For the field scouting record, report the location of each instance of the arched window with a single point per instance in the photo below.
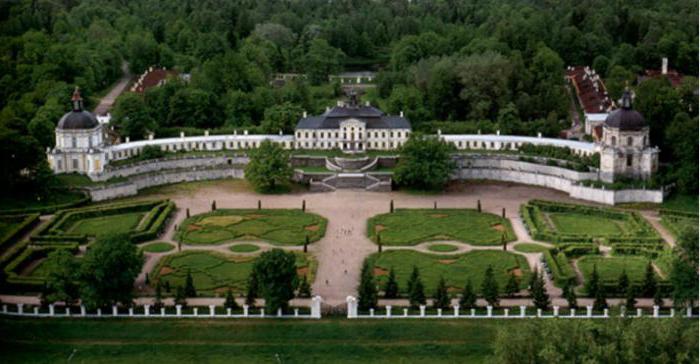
(630, 141)
(613, 141)
(629, 161)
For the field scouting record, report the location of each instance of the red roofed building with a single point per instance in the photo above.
(672, 75)
(151, 78)
(591, 94)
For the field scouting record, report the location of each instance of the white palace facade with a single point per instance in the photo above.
(81, 145)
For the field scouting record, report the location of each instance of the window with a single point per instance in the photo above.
(74, 142)
(630, 141)
(613, 141)
(60, 165)
(629, 161)
(75, 164)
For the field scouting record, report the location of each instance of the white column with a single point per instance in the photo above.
(405, 312)
(639, 312)
(212, 310)
(539, 312)
(505, 312)
(196, 311)
(556, 311)
(99, 312)
(279, 312)
(20, 308)
(689, 311)
(456, 310)
(36, 311)
(162, 311)
(262, 312)
(605, 312)
(622, 311)
(245, 310)
(673, 312)
(67, 311)
(422, 310)
(114, 310)
(296, 312)
(371, 312)
(51, 309)
(572, 312)
(473, 312)
(439, 312)
(352, 306)
(522, 311)
(316, 306)
(178, 310)
(131, 311)
(4, 308)
(388, 311)
(656, 311)
(489, 311)
(147, 310)
(82, 310)
(589, 311)
(228, 312)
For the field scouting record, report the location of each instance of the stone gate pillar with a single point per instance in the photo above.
(316, 307)
(352, 306)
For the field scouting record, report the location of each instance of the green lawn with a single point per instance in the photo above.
(157, 247)
(213, 273)
(248, 341)
(454, 268)
(610, 268)
(277, 226)
(244, 248)
(106, 225)
(530, 248)
(573, 223)
(413, 226)
(442, 248)
(680, 202)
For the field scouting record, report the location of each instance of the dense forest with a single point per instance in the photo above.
(461, 65)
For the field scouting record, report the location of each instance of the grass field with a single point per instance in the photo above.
(213, 273)
(530, 248)
(456, 269)
(442, 248)
(248, 341)
(244, 248)
(573, 223)
(277, 226)
(106, 225)
(610, 268)
(157, 247)
(413, 226)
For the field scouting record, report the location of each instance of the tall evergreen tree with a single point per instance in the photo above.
(180, 298)
(252, 290)
(512, 286)
(569, 293)
(391, 289)
(416, 294)
(412, 279)
(600, 301)
(489, 287)
(630, 297)
(304, 288)
(540, 298)
(658, 297)
(623, 282)
(649, 282)
(593, 282)
(158, 300)
(441, 298)
(468, 299)
(367, 291)
(230, 301)
(190, 291)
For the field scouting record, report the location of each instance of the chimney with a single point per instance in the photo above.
(304, 115)
(664, 65)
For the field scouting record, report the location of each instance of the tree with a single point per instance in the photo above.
(252, 290)
(304, 288)
(276, 275)
(367, 291)
(441, 298)
(130, 115)
(416, 293)
(658, 297)
(268, 167)
(623, 282)
(569, 293)
(512, 286)
(180, 298)
(61, 284)
(489, 287)
(108, 271)
(281, 117)
(593, 283)
(230, 301)
(684, 268)
(391, 289)
(190, 291)
(631, 297)
(649, 281)
(538, 291)
(322, 60)
(468, 299)
(425, 163)
(600, 302)
(158, 300)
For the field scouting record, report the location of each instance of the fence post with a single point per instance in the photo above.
(405, 312)
(67, 311)
(456, 310)
(36, 311)
(279, 312)
(489, 311)
(178, 310)
(262, 312)
(114, 311)
(51, 309)
(605, 312)
(147, 310)
(673, 312)
(572, 312)
(195, 311)
(371, 312)
(656, 311)
(162, 311)
(20, 308)
(131, 311)
(539, 312)
(245, 310)
(99, 312)
(388, 311)
(623, 311)
(316, 307)
(639, 312)
(422, 310)
(352, 306)
(589, 311)
(296, 312)
(556, 311)
(522, 311)
(439, 312)
(228, 312)
(82, 310)
(689, 311)
(212, 310)
(473, 312)
(505, 312)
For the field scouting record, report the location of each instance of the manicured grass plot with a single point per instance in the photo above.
(442, 248)
(106, 225)
(157, 247)
(573, 223)
(244, 248)
(413, 226)
(530, 248)
(277, 226)
(456, 269)
(213, 273)
(610, 268)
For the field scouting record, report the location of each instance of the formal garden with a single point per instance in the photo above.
(676, 221)
(275, 226)
(415, 226)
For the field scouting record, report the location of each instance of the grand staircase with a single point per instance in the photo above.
(351, 173)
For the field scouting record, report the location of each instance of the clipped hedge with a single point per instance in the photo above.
(561, 269)
(22, 224)
(28, 255)
(153, 223)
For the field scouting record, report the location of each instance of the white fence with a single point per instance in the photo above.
(502, 313)
(147, 311)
